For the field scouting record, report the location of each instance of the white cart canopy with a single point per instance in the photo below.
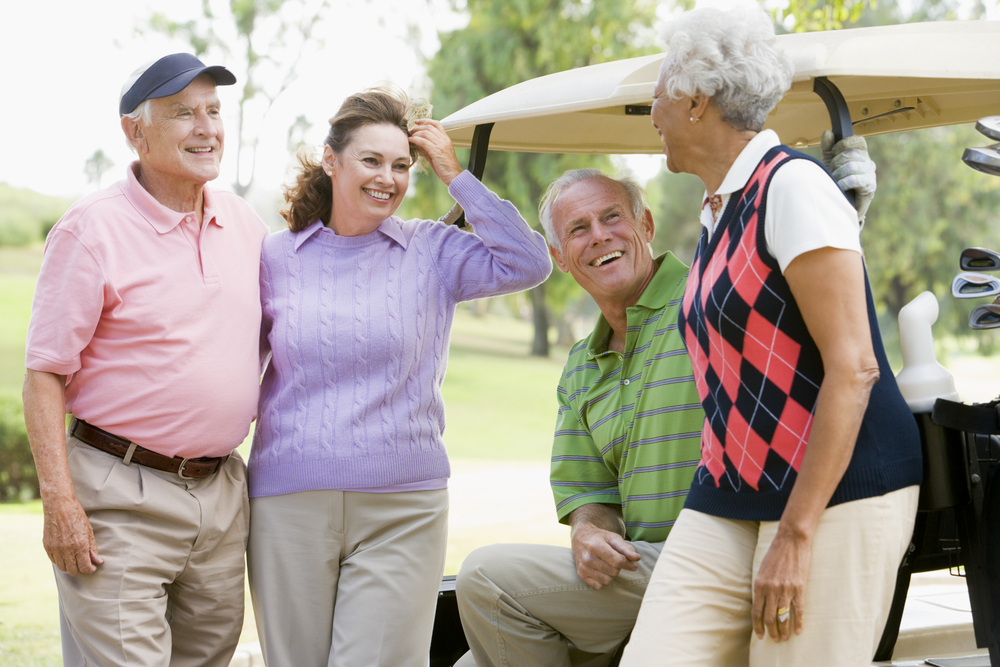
(893, 78)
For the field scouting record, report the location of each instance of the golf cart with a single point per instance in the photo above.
(865, 81)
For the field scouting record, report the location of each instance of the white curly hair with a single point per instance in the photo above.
(731, 56)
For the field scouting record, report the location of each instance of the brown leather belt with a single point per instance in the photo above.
(133, 453)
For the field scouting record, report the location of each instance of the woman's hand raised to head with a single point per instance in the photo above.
(434, 144)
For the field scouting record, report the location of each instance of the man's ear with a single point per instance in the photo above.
(647, 225)
(558, 258)
(134, 134)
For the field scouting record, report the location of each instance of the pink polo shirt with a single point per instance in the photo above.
(155, 322)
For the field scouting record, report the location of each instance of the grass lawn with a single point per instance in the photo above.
(29, 621)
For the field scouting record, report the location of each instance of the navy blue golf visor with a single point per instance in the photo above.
(170, 75)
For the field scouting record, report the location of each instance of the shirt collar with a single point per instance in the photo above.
(658, 293)
(391, 227)
(747, 162)
(307, 234)
(161, 218)
(663, 286)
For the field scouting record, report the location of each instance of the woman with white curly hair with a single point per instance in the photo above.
(804, 499)
(348, 471)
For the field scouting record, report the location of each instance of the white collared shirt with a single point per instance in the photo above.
(805, 209)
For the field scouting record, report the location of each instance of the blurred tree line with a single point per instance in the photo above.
(929, 205)
(27, 216)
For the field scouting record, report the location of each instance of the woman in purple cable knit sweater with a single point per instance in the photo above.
(348, 471)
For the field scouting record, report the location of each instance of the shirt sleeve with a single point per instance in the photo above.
(504, 255)
(69, 298)
(578, 475)
(807, 211)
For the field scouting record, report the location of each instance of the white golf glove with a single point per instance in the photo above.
(851, 167)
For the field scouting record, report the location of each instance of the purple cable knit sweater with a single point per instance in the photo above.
(358, 331)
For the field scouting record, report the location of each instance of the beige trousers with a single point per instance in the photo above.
(697, 607)
(345, 578)
(170, 590)
(524, 605)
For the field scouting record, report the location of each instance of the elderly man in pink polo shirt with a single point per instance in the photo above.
(145, 326)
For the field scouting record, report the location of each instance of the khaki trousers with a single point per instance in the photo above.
(347, 579)
(524, 605)
(697, 607)
(170, 590)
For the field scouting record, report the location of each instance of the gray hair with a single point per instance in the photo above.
(142, 114)
(732, 57)
(636, 198)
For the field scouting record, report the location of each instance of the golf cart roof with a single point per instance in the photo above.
(893, 78)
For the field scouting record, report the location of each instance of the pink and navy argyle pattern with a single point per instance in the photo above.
(756, 368)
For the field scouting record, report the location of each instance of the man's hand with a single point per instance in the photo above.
(851, 167)
(599, 553)
(68, 537)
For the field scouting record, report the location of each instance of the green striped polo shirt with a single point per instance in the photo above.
(629, 425)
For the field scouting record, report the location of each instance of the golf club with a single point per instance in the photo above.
(985, 317)
(990, 126)
(986, 160)
(973, 285)
(979, 259)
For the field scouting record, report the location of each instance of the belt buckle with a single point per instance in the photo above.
(180, 470)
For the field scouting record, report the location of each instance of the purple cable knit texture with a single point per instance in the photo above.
(358, 329)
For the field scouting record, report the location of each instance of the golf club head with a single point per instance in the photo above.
(979, 259)
(974, 285)
(985, 317)
(990, 126)
(986, 160)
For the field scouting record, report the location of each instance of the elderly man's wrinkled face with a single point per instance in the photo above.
(603, 246)
(183, 143)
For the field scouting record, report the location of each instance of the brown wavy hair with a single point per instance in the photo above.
(310, 197)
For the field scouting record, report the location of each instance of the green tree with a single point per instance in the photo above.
(674, 201)
(264, 41)
(509, 41)
(813, 15)
(929, 206)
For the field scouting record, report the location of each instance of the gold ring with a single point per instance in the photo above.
(782, 614)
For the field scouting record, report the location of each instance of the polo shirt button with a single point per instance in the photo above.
(626, 382)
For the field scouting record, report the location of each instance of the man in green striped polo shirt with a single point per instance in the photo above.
(627, 437)
(626, 446)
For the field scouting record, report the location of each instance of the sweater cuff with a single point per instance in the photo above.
(466, 189)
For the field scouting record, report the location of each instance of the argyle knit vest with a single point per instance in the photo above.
(758, 374)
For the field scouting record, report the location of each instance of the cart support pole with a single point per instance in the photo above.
(840, 115)
(477, 158)
(480, 145)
